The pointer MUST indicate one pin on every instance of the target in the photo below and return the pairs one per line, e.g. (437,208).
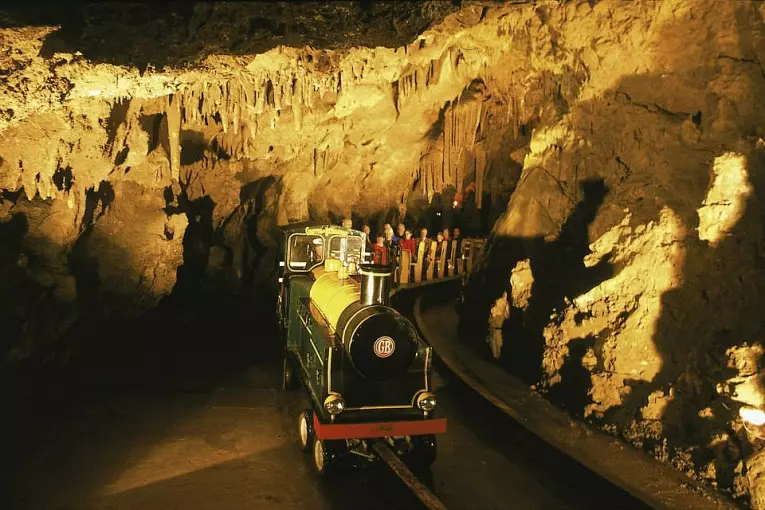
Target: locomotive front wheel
(321,457)
(290,379)
(305,430)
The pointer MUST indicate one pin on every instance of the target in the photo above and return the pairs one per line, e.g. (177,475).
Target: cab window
(305,252)
(348,249)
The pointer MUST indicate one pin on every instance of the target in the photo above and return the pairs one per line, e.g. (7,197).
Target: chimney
(375,284)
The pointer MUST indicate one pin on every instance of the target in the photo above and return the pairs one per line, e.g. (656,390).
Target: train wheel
(326,455)
(322,456)
(290,379)
(424,450)
(305,430)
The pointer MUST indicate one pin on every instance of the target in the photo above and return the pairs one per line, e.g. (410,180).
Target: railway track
(420,490)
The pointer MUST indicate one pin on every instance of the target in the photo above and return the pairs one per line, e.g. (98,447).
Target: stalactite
(480,170)
(297,103)
(174,134)
(444,143)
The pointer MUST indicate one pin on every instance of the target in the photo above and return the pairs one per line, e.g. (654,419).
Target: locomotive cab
(365,368)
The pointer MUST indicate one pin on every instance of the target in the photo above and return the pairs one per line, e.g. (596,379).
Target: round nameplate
(384,347)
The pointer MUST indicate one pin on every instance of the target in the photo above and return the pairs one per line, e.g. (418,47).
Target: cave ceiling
(215,96)
(184,33)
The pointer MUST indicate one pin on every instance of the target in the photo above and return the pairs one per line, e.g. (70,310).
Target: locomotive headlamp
(334,404)
(426,401)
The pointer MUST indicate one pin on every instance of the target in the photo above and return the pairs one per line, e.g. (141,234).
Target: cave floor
(219,432)
(235,446)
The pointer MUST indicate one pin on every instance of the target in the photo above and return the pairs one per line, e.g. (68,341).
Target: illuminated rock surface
(144,151)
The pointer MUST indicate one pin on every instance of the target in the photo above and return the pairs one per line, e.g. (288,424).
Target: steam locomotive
(365,368)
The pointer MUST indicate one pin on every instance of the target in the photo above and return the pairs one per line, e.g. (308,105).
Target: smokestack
(375,284)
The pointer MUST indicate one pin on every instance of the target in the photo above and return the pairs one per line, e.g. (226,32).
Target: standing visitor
(367,242)
(380,253)
(400,229)
(407,243)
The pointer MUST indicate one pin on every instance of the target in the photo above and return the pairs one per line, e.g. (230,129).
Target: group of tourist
(387,245)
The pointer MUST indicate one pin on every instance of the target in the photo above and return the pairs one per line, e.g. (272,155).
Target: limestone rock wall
(640,210)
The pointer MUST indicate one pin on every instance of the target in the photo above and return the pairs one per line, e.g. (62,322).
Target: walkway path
(655,484)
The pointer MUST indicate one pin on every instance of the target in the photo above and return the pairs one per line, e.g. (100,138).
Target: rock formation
(147,151)
(119,164)
(639,208)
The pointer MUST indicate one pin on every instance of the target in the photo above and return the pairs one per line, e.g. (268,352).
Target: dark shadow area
(35,311)
(468,217)
(191,342)
(97,202)
(193,146)
(63,179)
(181,33)
(179,352)
(12,275)
(151,124)
(260,233)
(135,385)
(559,272)
(574,395)
(434,219)
(196,243)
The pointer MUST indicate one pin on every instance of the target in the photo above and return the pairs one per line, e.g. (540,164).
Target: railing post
(441,254)
(419,262)
(431,260)
(405,266)
(467,253)
(453,257)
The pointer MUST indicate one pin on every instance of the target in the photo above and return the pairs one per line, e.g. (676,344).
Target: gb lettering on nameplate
(384,347)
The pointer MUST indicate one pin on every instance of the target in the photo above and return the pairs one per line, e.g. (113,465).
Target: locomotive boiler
(365,368)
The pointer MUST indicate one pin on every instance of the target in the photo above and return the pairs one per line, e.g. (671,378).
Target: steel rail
(419,489)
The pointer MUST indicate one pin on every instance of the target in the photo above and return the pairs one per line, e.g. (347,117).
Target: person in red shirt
(407,243)
(380,251)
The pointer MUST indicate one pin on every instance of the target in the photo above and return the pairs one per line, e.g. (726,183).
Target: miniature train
(364,366)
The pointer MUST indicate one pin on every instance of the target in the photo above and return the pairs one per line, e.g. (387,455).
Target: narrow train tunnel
(611,151)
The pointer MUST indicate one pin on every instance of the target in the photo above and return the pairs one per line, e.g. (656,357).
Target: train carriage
(365,368)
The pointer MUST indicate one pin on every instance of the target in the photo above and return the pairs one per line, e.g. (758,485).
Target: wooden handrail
(450,257)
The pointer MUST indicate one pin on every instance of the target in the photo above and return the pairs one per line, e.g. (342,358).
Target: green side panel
(307,338)
(300,288)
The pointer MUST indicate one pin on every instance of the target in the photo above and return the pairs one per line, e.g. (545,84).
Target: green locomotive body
(364,366)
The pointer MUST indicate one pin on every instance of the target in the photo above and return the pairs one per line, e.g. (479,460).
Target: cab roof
(318,228)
